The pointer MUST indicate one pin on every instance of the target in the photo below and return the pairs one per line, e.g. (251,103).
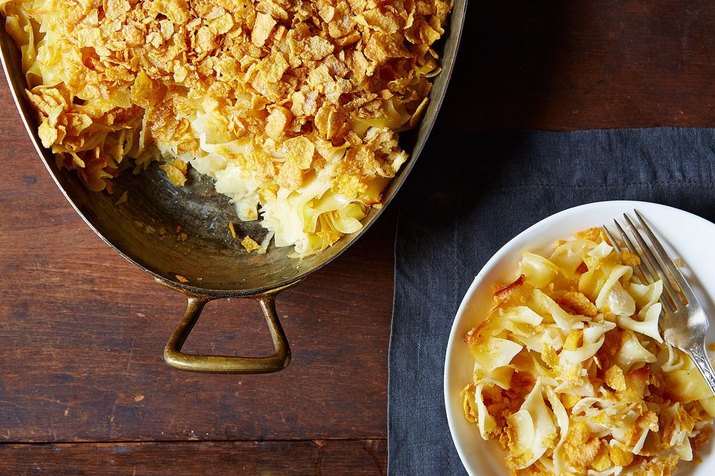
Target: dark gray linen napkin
(468,196)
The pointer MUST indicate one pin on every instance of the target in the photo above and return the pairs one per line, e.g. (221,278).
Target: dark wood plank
(329,457)
(563,65)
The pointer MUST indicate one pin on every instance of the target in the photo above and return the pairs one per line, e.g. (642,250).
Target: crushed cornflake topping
(292,106)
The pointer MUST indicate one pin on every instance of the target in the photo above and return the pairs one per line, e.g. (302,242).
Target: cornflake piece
(174,174)
(300,151)
(277,122)
(262,29)
(577,303)
(250,244)
(630,259)
(615,378)
(330,121)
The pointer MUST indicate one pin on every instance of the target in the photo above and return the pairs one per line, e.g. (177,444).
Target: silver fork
(683,320)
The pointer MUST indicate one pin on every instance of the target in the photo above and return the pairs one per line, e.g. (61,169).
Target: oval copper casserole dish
(225,269)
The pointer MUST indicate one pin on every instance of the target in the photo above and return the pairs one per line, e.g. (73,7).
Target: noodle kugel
(293,107)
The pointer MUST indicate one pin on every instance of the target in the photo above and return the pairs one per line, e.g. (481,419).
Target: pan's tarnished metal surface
(213,264)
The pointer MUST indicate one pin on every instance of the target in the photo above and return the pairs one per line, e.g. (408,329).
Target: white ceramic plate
(684,235)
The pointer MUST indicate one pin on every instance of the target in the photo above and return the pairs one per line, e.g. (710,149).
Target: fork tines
(655,262)
(683,320)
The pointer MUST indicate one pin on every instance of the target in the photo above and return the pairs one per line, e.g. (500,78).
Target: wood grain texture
(561,65)
(82,330)
(329,457)
(83,333)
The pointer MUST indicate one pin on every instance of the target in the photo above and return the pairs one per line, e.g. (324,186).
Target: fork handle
(702,362)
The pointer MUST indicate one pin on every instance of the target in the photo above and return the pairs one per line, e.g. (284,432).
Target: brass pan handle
(224,363)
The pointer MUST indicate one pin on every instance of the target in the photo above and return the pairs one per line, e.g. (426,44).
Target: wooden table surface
(83,387)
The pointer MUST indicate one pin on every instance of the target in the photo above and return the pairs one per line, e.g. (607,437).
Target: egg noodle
(292,106)
(571,375)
